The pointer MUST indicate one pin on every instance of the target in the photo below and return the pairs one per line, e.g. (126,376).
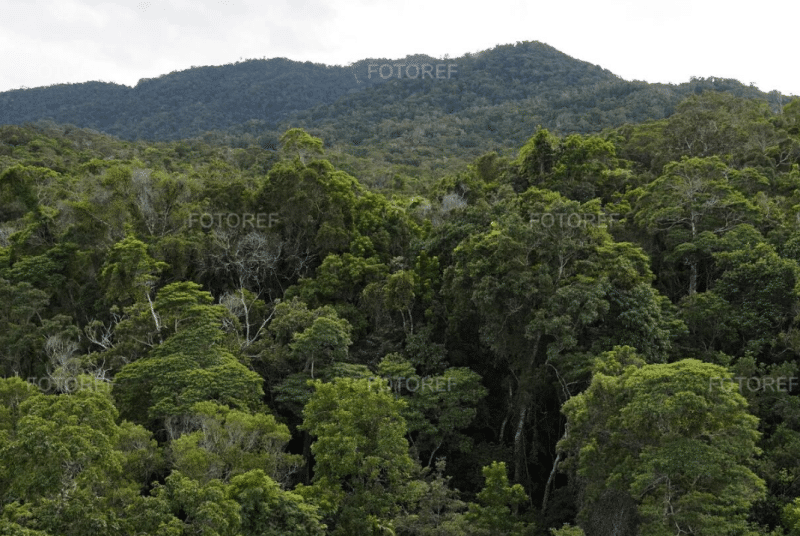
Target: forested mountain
(491,101)
(582,334)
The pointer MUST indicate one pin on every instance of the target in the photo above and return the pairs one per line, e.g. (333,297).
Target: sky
(44,42)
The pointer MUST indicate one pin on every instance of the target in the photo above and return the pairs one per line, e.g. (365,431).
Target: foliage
(473,313)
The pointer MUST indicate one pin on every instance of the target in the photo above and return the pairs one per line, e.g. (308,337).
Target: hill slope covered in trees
(600,331)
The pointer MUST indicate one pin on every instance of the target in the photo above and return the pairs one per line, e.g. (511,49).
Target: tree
(326,340)
(360,453)
(434,508)
(69,468)
(536,159)
(662,448)
(438,407)
(297,139)
(192,365)
(204,508)
(129,272)
(266,510)
(20,306)
(541,295)
(227,443)
(499,501)
(693,196)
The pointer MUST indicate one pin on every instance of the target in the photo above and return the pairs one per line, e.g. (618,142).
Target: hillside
(256,331)
(385,130)
(530,79)
(190,327)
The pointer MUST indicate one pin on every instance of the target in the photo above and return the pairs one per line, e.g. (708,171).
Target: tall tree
(662,449)
(360,453)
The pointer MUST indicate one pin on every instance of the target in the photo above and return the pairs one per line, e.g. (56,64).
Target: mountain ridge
(494,101)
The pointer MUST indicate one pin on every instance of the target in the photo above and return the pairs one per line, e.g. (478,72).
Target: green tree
(70,469)
(325,340)
(20,337)
(662,448)
(192,365)
(297,139)
(229,442)
(433,507)
(360,453)
(693,196)
(129,272)
(266,510)
(438,407)
(541,295)
(498,501)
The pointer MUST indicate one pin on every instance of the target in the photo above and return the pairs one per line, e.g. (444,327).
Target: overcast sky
(43,42)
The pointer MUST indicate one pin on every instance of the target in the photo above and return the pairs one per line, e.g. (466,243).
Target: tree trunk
(552,476)
(692,276)
(518,437)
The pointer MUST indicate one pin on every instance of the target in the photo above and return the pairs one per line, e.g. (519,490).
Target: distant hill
(492,100)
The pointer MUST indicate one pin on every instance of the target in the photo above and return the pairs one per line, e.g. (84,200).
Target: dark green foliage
(311,375)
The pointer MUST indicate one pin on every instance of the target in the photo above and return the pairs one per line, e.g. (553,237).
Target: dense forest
(595,331)
(392,130)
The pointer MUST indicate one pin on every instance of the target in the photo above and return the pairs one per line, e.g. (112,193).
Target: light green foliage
(291,317)
(360,453)
(192,365)
(578,167)
(567,530)
(692,197)
(305,341)
(498,500)
(129,272)
(8,528)
(341,278)
(325,340)
(298,140)
(266,510)
(71,469)
(143,458)
(13,392)
(62,441)
(751,297)
(663,446)
(537,157)
(204,508)
(229,442)
(294,392)
(791,518)
(434,508)
(761,288)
